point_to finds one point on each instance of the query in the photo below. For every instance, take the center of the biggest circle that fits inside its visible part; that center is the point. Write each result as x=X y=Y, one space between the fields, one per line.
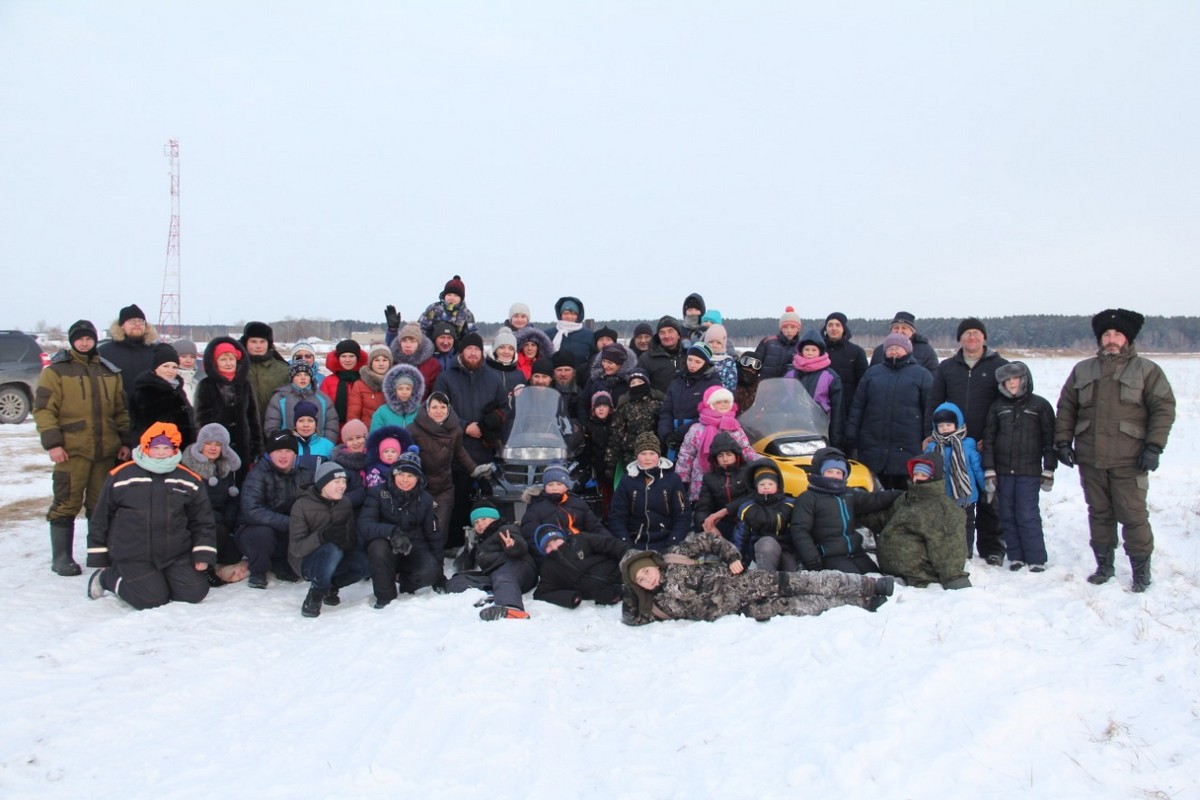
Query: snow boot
x=1016 y=566
x=1141 y=572
x=258 y=580
x=873 y=603
x=95 y=588
x=331 y=597
x=62 y=541
x=1105 y=568
x=502 y=612
x=312 y=603
x=883 y=587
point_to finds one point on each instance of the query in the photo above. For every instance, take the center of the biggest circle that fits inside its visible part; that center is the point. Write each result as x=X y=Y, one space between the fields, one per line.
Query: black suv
x=21 y=362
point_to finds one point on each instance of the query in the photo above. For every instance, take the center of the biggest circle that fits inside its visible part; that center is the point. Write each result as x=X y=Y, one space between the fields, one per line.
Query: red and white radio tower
x=168 y=309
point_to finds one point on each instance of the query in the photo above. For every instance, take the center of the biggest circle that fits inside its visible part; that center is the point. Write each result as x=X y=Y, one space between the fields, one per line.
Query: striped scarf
x=957 y=475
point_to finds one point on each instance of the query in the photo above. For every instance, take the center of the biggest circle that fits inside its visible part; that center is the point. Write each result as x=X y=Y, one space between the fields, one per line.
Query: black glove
x=673 y=441
x=1147 y=460
x=392 y=316
x=401 y=544
x=1066 y=454
x=439 y=583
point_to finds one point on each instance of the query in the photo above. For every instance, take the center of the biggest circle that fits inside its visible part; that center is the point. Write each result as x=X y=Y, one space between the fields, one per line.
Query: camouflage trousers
x=707 y=593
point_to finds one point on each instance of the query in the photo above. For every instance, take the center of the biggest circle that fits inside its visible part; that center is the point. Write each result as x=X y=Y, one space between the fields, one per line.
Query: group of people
x=196 y=470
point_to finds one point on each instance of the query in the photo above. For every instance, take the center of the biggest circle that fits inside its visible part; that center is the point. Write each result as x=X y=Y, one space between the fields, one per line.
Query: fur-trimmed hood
x=423 y=354
x=378 y=435
x=117 y=333
x=545 y=345
x=389 y=389
x=242 y=371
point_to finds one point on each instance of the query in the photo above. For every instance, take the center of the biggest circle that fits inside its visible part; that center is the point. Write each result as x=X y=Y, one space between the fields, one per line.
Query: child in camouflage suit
x=922 y=541
x=674 y=585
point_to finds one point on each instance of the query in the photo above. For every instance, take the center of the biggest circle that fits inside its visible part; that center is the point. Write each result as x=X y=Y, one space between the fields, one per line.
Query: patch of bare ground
x=19 y=511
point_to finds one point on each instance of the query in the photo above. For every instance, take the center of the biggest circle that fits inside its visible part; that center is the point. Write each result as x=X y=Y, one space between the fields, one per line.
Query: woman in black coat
x=157 y=395
x=226 y=397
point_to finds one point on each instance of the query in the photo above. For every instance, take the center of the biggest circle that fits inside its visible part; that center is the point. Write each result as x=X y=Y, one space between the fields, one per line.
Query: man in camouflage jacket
x=923 y=540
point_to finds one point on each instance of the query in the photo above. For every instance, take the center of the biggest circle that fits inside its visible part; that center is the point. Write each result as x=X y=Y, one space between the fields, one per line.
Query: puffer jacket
x=1112 y=407
x=823 y=520
x=475 y=394
x=970 y=448
x=718 y=488
x=218 y=477
x=315 y=520
x=585 y=567
x=581 y=344
x=776 y=353
x=681 y=402
x=80 y=406
x=650 y=509
x=149 y=517
x=972 y=389
x=616 y=385
x=283 y=405
x=567 y=512
x=128 y=357
x=849 y=361
x=662 y=364
x=923 y=540
x=758 y=516
x=389 y=510
x=366 y=395
x=268 y=494
x=491 y=553
x=340 y=381
x=923 y=354
x=376 y=472
x=1019 y=436
x=887 y=417
x=545 y=348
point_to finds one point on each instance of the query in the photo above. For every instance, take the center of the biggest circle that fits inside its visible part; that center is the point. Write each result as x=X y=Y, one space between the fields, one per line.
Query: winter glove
x=439 y=583
x=989 y=485
x=1147 y=461
x=392 y=316
x=1066 y=454
x=673 y=441
x=1047 y=480
x=483 y=471
x=401 y=544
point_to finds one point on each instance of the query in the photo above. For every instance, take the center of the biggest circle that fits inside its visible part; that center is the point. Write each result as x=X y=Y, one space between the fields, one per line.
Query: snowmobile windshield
x=783 y=407
x=535 y=434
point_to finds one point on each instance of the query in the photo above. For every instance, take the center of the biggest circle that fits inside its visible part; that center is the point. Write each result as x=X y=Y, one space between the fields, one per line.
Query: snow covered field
x=1024 y=686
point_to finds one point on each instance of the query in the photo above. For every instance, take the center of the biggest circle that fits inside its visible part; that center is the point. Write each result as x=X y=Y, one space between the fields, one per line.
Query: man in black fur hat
x=1114 y=415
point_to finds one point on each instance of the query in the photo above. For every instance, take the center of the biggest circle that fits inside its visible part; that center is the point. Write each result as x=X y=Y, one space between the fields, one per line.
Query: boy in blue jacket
x=961 y=465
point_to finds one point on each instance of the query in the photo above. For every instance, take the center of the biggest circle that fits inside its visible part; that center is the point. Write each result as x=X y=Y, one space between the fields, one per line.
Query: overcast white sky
x=947 y=158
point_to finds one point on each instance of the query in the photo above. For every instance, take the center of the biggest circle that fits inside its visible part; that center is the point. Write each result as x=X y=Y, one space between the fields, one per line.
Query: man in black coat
x=131 y=346
x=267 y=497
x=968 y=379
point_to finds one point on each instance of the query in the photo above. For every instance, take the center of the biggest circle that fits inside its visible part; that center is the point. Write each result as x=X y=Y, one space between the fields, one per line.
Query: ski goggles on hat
x=750 y=362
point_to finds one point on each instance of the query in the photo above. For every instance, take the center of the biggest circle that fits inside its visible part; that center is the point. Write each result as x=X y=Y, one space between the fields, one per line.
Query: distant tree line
x=1040 y=331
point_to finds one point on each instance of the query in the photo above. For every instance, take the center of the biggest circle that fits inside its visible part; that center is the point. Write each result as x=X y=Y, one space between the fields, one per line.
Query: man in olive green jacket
x=1114 y=415
x=79 y=409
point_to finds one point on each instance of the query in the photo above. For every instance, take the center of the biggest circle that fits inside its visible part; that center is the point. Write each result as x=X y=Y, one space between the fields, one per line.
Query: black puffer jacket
x=585 y=567
x=650 y=509
x=153 y=400
x=662 y=364
x=268 y=494
x=681 y=403
x=141 y=517
x=886 y=419
x=823 y=519
x=776 y=353
x=315 y=520
x=568 y=512
x=389 y=510
x=491 y=553
x=719 y=487
x=972 y=389
x=758 y=516
x=922 y=353
x=1018 y=438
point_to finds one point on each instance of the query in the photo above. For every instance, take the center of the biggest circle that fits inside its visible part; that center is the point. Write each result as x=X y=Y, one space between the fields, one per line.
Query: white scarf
x=564 y=328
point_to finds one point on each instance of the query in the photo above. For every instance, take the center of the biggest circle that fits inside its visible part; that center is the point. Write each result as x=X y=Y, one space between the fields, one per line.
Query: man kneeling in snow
x=152 y=532
x=923 y=540
x=674 y=585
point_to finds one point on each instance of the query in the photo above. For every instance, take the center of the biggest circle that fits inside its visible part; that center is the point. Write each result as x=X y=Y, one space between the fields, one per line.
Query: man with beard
x=130 y=347
x=1117 y=408
x=666 y=355
x=478 y=397
x=81 y=416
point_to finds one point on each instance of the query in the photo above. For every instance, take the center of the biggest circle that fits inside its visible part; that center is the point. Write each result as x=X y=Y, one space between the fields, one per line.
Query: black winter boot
x=1105 y=568
x=312 y=603
x=62 y=541
x=331 y=597
x=884 y=586
x=1141 y=572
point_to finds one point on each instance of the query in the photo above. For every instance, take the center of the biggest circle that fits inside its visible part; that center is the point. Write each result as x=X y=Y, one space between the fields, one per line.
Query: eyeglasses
x=305 y=357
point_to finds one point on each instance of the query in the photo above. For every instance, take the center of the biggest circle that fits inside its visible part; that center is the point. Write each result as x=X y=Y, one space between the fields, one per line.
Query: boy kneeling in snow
x=584 y=566
x=505 y=567
x=322 y=545
x=673 y=585
x=152 y=533
x=922 y=541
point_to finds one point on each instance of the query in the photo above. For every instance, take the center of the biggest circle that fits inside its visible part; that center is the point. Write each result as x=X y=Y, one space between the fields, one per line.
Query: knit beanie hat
x=404 y=378
x=563 y=359
x=305 y=409
x=454 y=286
x=701 y=350
x=840 y=317
x=544 y=534
x=604 y=332
x=296 y=369
x=789 y=315
x=715 y=333
x=899 y=340
x=916 y=468
x=669 y=322
x=969 y=324
x=484 y=509
x=556 y=473
x=328 y=471
x=443 y=328
x=378 y=351
x=469 y=340
x=642 y=328
x=763 y=472
x=504 y=337
x=348 y=346
x=186 y=347
x=282 y=440
x=712 y=316
x=355 y=427
x=614 y=353
x=130 y=312
x=518 y=308
x=390 y=443
x=835 y=463
x=944 y=415
x=646 y=440
x=543 y=366
x=409 y=461
x=639 y=373
x=568 y=305
x=601 y=398
x=905 y=318
x=164 y=354
x=715 y=395
x=227 y=347
x=411 y=330
x=81 y=328
x=303 y=347
x=647 y=559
